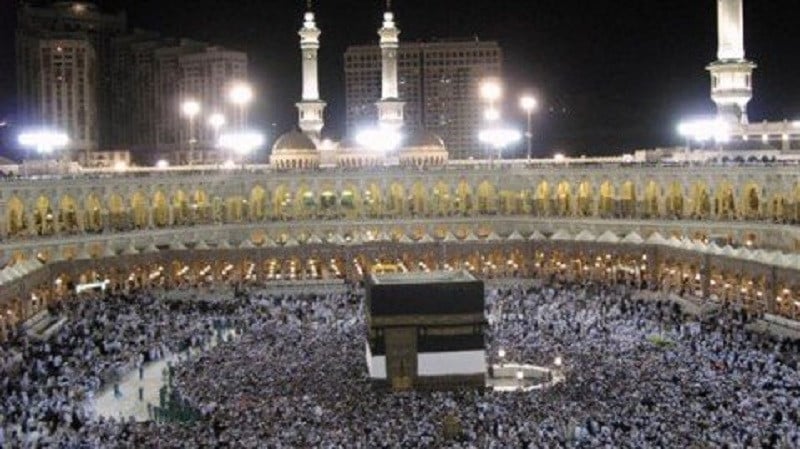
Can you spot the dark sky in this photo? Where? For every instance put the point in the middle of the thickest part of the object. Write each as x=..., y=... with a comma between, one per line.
x=618, y=74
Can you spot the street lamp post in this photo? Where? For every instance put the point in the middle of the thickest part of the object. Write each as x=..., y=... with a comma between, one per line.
x=491, y=92
x=216, y=121
x=241, y=94
x=190, y=109
x=43, y=141
x=529, y=104
x=498, y=137
x=242, y=143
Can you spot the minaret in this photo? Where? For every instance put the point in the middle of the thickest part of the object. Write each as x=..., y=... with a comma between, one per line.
x=390, y=108
x=731, y=74
x=311, y=109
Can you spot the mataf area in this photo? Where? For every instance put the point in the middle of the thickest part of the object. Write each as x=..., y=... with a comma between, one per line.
x=639, y=373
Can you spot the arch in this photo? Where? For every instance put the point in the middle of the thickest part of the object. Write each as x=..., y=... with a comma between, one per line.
x=328, y=199
x=351, y=202
x=281, y=202
x=674, y=202
x=235, y=209
x=15, y=216
x=442, y=199
x=725, y=202
x=795, y=218
x=778, y=208
x=464, y=198
x=305, y=202
x=751, y=201
x=181, y=209
x=487, y=198
x=542, y=199
x=139, y=211
x=117, y=214
x=419, y=199
x=628, y=199
x=397, y=199
x=258, y=203
x=607, y=206
x=563, y=199
x=43, y=216
x=511, y=202
x=652, y=198
x=701, y=200
x=373, y=200
x=585, y=199
x=68, y=214
x=160, y=209
x=93, y=211
x=201, y=207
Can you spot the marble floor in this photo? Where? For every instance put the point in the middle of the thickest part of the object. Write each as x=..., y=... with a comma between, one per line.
x=128, y=404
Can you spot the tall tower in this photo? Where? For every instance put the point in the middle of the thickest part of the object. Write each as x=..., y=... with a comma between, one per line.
x=390, y=108
x=731, y=73
x=311, y=109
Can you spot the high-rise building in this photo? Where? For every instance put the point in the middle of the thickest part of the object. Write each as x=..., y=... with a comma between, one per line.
x=84, y=29
x=438, y=82
x=155, y=75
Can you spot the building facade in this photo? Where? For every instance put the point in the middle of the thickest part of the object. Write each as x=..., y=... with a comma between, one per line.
x=438, y=82
x=42, y=27
x=155, y=75
x=723, y=232
x=66, y=77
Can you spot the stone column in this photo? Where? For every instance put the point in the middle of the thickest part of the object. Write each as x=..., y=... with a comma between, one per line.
x=772, y=290
x=705, y=273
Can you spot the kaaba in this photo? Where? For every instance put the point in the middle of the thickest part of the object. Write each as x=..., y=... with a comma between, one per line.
x=426, y=331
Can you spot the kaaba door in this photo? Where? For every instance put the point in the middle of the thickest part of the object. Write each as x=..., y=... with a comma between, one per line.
x=401, y=357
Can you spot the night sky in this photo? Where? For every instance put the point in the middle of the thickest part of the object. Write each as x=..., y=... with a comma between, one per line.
x=613, y=74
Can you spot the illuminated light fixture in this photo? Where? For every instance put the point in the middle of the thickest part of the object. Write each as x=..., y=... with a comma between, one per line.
x=162, y=164
x=491, y=114
x=559, y=157
x=491, y=90
x=44, y=141
x=380, y=139
x=705, y=130
x=217, y=121
x=499, y=137
x=558, y=361
x=120, y=166
x=242, y=142
x=241, y=94
x=528, y=103
x=190, y=108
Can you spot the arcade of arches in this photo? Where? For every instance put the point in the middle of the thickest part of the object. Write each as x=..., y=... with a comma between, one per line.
x=42, y=213
x=758, y=288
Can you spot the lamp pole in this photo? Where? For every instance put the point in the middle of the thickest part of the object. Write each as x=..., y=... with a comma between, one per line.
x=528, y=103
x=191, y=108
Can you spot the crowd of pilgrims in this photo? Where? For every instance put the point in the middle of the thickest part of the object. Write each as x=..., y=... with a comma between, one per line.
x=639, y=374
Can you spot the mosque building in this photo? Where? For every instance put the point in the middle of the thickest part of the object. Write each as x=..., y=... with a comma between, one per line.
x=384, y=144
x=715, y=232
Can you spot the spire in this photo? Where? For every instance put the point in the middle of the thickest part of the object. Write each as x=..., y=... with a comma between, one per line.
x=311, y=108
x=730, y=16
x=731, y=74
x=390, y=108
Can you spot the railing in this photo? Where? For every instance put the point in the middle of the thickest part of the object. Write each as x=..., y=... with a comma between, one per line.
x=453, y=165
